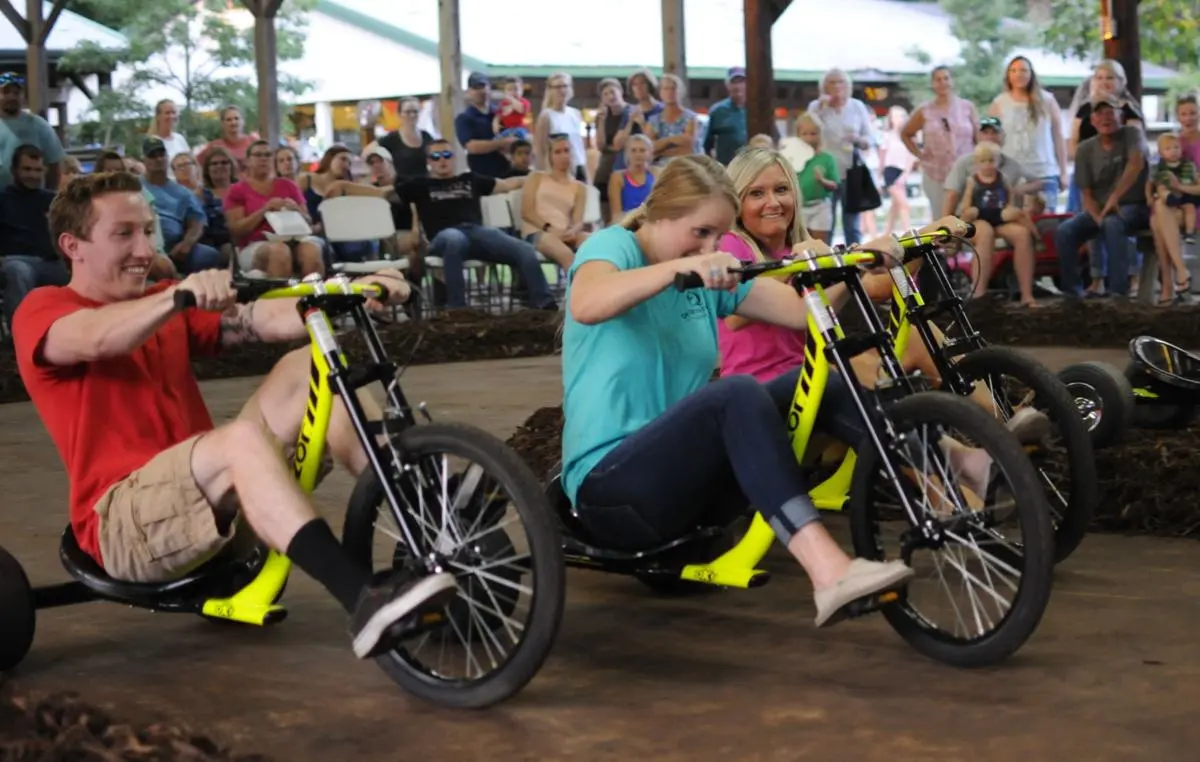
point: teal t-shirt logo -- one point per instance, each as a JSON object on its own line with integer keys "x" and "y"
{"x": 695, "y": 306}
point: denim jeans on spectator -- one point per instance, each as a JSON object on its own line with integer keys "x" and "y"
{"x": 24, "y": 274}
{"x": 457, "y": 245}
{"x": 850, "y": 227}
{"x": 201, "y": 257}
{"x": 718, "y": 450}
{"x": 1114, "y": 232}
{"x": 1050, "y": 191}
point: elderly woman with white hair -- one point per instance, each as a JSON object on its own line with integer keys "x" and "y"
{"x": 846, "y": 129}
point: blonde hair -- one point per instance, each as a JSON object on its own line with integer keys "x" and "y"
{"x": 153, "y": 128}
{"x": 680, "y": 91}
{"x": 1168, "y": 137}
{"x": 761, "y": 140}
{"x": 682, "y": 185}
{"x": 815, "y": 121}
{"x": 745, "y": 168}
{"x": 639, "y": 138}
{"x": 985, "y": 150}
{"x": 550, "y": 91}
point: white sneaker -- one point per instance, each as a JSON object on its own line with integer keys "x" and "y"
{"x": 1029, "y": 425}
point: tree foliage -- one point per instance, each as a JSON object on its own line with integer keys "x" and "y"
{"x": 198, "y": 50}
{"x": 1169, "y": 31}
{"x": 987, "y": 35}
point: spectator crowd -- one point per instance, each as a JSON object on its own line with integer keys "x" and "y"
{"x": 241, "y": 203}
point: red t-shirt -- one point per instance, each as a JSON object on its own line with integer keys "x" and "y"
{"x": 110, "y": 417}
{"x": 241, "y": 194}
{"x": 510, "y": 118}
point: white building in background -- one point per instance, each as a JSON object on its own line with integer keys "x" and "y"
{"x": 365, "y": 50}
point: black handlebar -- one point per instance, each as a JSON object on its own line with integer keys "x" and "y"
{"x": 249, "y": 291}
{"x": 684, "y": 281}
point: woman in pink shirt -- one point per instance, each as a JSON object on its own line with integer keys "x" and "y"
{"x": 1188, "y": 116}
{"x": 247, "y": 203}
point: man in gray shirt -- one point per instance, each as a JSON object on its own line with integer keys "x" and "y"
{"x": 991, "y": 131}
{"x": 1110, "y": 170}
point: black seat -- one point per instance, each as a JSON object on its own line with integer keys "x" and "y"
{"x": 1167, "y": 362}
{"x": 84, "y": 568}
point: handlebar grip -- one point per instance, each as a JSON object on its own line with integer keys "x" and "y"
{"x": 684, "y": 281}
{"x": 970, "y": 231}
{"x": 184, "y": 300}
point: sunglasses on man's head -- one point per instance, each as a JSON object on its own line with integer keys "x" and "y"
{"x": 447, "y": 154}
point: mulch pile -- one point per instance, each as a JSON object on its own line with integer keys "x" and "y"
{"x": 1147, "y": 481}
{"x": 1092, "y": 323}
{"x": 455, "y": 337}
{"x": 62, "y": 727}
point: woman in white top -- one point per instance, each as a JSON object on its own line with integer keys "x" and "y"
{"x": 557, "y": 118}
{"x": 1033, "y": 128}
{"x": 847, "y": 127}
{"x": 166, "y": 116}
{"x": 552, "y": 206}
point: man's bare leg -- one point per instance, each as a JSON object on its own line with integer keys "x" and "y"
{"x": 243, "y": 457}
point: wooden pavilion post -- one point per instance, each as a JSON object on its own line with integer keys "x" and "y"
{"x": 266, "y": 65}
{"x": 674, "y": 41}
{"x": 1122, "y": 39}
{"x": 760, "y": 15}
{"x": 450, "y": 99}
{"x": 35, "y": 30}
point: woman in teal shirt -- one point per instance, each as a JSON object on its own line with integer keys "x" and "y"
{"x": 649, "y": 444}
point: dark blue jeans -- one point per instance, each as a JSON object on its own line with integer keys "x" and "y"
{"x": 201, "y": 257}
{"x": 850, "y": 220}
{"x": 458, "y": 244}
{"x": 705, "y": 457}
{"x": 1114, "y": 233}
{"x": 23, "y": 274}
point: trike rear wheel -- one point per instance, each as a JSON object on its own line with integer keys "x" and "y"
{"x": 17, "y": 612}
{"x": 1104, "y": 399}
{"x": 1017, "y": 380}
{"x": 963, "y": 535}
{"x": 480, "y": 509}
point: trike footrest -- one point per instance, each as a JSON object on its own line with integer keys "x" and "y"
{"x": 246, "y": 613}
{"x": 725, "y": 576}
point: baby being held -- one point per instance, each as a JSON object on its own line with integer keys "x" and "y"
{"x": 1170, "y": 183}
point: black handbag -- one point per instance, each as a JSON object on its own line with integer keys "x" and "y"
{"x": 861, "y": 194}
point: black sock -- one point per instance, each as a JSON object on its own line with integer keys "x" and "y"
{"x": 315, "y": 550}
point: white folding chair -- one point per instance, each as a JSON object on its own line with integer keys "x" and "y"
{"x": 359, "y": 218}
{"x": 591, "y": 209}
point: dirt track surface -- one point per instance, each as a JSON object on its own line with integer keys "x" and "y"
{"x": 1112, "y": 674}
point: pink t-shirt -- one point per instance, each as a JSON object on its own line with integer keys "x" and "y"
{"x": 240, "y": 194}
{"x": 760, "y": 350}
{"x": 1191, "y": 150}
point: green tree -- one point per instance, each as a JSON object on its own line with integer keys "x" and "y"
{"x": 987, "y": 36}
{"x": 1169, "y": 30}
{"x": 190, "y": 47}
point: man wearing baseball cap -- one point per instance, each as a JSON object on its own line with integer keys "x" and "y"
{"x": 21, "y": 127}
{"x": 1110, "y": 170}
{"x": 475, "y": 133}
{"x": 179, "y": 212}
{"x": 727, "y": 131}
{"x": 1021, "y": 183}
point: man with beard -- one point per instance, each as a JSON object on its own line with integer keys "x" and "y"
{"x": 19, "y": 127}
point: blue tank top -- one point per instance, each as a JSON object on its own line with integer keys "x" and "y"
{"x": 632, "y": 195}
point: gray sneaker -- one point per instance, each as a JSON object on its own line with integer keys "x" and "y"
{"x": 397, "y": 608}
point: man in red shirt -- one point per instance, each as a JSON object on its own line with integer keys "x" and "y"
{"x": 155, "y": 487}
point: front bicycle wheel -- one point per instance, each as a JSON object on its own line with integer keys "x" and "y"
{"x": 959, "y": 546}
{"x": 1064, "y": 458}
{"x": 484, "y": 517}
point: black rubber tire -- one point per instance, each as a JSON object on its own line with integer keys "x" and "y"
{"x": 17, "y": 612}
{"x": 1058, "y": 404}
{"x": 1156, "y": 415}
{"x": 503, "y": 465}
{"x": 1116, "y": 397}
{"x": 1033, "y": 593}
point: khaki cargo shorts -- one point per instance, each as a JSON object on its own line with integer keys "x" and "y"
{"x": 155, "y": 524}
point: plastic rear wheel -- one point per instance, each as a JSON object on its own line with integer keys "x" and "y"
{"x": 17, "y": 612}
{"x": 1104, "y": 398}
